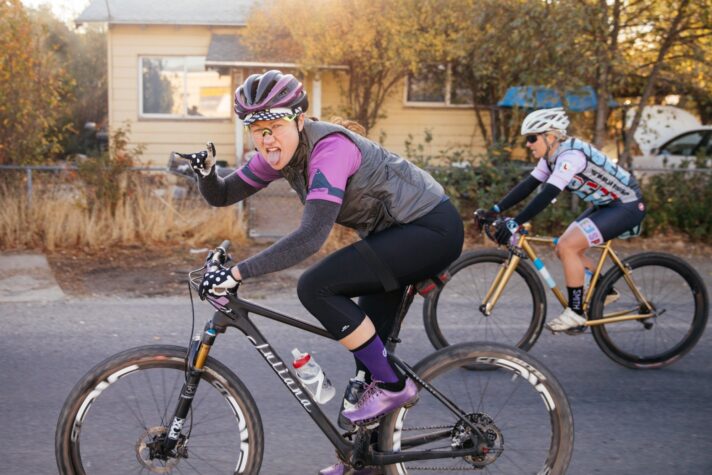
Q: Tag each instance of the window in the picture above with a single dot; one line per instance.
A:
(181, 87)
(684, 145)
(439, 84)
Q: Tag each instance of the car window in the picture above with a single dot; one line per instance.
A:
(684, 145)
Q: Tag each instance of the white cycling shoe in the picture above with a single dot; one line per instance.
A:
(568, 320)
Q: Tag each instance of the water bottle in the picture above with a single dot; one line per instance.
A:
(313, 377)
(587, 275)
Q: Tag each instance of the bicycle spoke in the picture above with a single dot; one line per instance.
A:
(667, 284)
(113, 443)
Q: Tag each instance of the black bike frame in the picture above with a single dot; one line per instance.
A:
(233, 312)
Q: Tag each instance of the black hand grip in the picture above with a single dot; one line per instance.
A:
(225, 246)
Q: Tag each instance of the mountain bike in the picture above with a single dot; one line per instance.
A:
(170, 409)
(645, 311)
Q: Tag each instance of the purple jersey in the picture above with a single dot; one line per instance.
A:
(334, 159)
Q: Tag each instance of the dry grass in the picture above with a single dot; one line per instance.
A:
(58, 219)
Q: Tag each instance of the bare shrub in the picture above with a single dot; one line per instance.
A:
(59, 221)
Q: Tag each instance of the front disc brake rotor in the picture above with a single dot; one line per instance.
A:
(144, 452)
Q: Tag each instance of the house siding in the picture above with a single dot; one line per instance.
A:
(161, 136)
(450, 127)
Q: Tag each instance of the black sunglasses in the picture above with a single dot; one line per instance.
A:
(532, 138)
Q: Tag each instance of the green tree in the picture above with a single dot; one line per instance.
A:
(666, 30)
(33, 89)
(379, 41)
(504, 43)
(83, 54)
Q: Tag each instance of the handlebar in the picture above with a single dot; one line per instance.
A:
(485, 221)
(218, 256)
(209, 149)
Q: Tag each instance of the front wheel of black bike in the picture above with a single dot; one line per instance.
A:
(520, 408)
(452, 314)
(119, 411)
(678, 297)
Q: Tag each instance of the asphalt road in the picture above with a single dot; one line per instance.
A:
(626, 421)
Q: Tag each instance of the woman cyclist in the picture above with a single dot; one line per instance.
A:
(566, 162)
(409, 229)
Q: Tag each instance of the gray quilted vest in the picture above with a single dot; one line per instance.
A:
(385, 190)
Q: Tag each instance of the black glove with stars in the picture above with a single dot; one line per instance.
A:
(218, 282)
(202, 162)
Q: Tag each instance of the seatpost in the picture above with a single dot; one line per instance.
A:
(406, 300)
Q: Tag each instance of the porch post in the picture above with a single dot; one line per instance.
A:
(239, 133)
(316, 96)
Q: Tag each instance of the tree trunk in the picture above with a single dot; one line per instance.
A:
(670, 38)
(481, 125)
(606, 74)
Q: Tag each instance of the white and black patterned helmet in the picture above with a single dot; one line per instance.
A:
(545, 120)
(270, 96)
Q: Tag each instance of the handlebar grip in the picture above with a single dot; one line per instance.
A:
(225, 246)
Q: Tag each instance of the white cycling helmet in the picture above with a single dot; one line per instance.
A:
(545, 120)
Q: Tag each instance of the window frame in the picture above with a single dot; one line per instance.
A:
(448, 93)
(172, 117)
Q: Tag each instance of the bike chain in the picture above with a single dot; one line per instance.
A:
(439, 469)
(443, 469)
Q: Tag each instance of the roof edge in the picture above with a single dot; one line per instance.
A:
(258, 64)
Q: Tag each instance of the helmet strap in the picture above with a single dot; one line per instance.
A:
(549, 146)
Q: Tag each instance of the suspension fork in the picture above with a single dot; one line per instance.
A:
(195, 361)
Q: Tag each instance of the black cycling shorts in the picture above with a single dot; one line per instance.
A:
(603, 223)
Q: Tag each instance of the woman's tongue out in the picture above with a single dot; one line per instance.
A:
(273, 156)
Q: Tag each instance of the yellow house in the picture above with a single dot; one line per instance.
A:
(174, 64)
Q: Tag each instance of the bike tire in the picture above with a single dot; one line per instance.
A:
(521, 308)
(521, 406)
(109, 407)
(673, 288)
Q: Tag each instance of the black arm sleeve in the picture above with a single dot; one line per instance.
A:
(318, 219)
(523, 189)
(538, 204)
(219, 191)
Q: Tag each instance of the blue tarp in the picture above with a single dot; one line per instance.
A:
(539, 97)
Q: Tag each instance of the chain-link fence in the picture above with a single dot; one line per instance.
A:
(269, 214)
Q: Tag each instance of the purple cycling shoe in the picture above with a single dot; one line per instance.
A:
(377, 401)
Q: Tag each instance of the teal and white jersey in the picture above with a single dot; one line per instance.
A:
(588, 173)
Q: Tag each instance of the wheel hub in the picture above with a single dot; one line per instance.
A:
(150, 452)
(463, 437)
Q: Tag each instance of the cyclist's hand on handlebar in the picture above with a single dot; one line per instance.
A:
(218, 282)
(484, 217)
(505, 228)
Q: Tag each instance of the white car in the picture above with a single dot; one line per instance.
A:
(685, 147)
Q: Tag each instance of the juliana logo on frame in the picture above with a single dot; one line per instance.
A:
(279, 368)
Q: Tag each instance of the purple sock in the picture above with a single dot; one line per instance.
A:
(373, 355)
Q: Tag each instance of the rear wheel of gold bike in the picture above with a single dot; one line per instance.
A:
(679, 310)
(452, 314)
